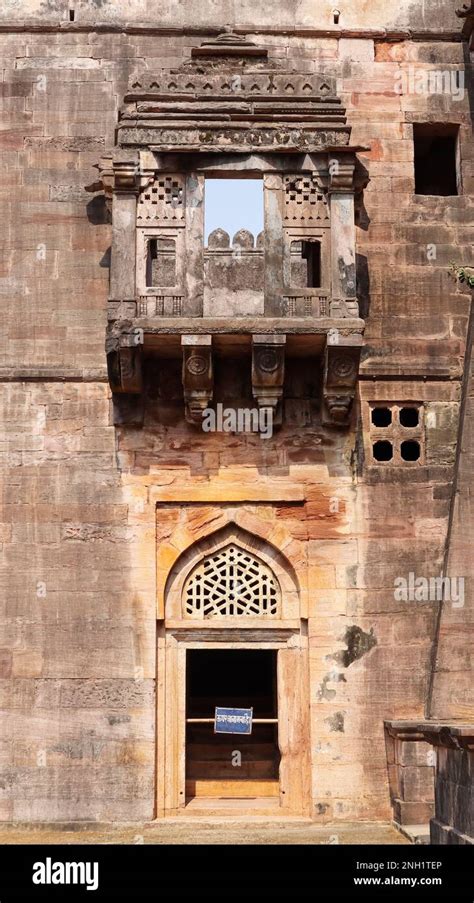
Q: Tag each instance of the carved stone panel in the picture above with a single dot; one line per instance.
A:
(305, 201)
(163, 201)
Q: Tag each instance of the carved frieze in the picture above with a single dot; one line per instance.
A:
(247, 84)
(216, 138)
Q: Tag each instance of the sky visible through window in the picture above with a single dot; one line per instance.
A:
(233, 204)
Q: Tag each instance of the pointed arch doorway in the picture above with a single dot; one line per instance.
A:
(232, 636)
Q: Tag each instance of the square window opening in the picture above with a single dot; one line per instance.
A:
(409, 417)
(436, 159)
(410, 450)
(381, 417)
(382, 451)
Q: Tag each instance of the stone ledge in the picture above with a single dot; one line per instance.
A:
(53, 374)
(380, 34)
(438, 733)
(248, 325)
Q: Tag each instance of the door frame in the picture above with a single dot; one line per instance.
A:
(293, 709)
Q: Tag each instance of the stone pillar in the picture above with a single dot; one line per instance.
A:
(274, 244)
(410, 762)
(124, 228)
(343, 253)
(194, 270)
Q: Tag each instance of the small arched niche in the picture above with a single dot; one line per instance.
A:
(232, 576)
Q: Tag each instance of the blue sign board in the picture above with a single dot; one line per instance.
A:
(233, 721)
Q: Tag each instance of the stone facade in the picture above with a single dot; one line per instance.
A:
(110, 484)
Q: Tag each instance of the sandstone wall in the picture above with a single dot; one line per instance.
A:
(452, 689)
(292, 14)
(79, 520)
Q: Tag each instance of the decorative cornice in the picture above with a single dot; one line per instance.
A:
(231, 103)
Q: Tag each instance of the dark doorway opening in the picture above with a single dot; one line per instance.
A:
(306, 264)
(230, 766)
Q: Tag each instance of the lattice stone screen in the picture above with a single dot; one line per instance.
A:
(305, 201)
(231, 582)
(163, 201)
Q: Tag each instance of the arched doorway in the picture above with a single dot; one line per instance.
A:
(232, 639)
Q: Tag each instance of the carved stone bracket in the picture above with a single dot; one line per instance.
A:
(198, 376)
(341, 368)
(124, 361)
(341, 173)
(268, 372)
(126, 172)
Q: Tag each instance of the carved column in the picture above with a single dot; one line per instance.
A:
(124, 216)
(274, 244)
(343, 253)
(198, 377)
(341, 368)
(268, 372)
(194, 271)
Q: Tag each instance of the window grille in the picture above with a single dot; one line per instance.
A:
(231, 582)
